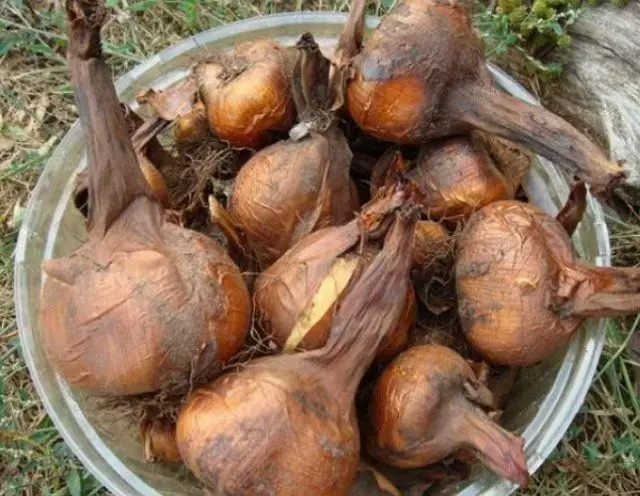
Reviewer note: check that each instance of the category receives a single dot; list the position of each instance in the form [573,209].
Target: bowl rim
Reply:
[541,434]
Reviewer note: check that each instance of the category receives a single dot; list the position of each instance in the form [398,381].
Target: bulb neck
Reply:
[369,311]
[484,107]
[115,179]
[573,210]
[497,449]
[588,291]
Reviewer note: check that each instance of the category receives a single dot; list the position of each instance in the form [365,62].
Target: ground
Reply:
[600,454]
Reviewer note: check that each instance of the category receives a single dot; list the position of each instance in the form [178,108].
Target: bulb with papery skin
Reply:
[455,177]
[421,75]
[286,424]
[426,406]
[523,292]
[144,305]
[247,93]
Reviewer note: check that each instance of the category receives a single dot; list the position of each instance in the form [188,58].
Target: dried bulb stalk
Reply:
[522,291]
[292,188]
[149,152]
[424,408]
[286,424]
[422,75]
[247,93]
[144,305]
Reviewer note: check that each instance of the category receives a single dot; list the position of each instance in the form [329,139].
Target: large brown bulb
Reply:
[286,424]
[522,291]
[422,75]
[297,298]
[290,189]
[144,305]
[455,177]
[426,406]
[250,415]
[127,315]
[407,65]
[247,93]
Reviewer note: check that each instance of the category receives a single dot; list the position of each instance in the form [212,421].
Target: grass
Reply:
[600,454]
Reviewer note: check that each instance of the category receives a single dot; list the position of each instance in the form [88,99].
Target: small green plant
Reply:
[522,33]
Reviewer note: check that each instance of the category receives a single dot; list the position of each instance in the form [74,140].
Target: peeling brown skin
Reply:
[131,311]
[290,189]
[285,289]
[421,75]
[511,160]
[455,177]
[302,184]
[420,413]
[247,93]
[159,441]
[286,424]
[173,102]
[522,292]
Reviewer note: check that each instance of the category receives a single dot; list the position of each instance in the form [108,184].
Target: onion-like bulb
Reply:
[193,126]
[456,176]
[159,440]
[431,244]
[296,298]
[294,187]
[433,262]
[179,104]
[421,75]
[522,291]
[286,424]
[426,406]
[247,93]
[144,305]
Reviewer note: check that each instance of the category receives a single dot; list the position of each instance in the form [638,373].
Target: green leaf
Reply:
[573,432]
[623,444]
[591,453]
[74,483]
[7,44]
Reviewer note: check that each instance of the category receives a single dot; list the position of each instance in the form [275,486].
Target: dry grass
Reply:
[599,455]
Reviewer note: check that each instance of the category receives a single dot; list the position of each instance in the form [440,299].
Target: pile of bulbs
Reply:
[379,275]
